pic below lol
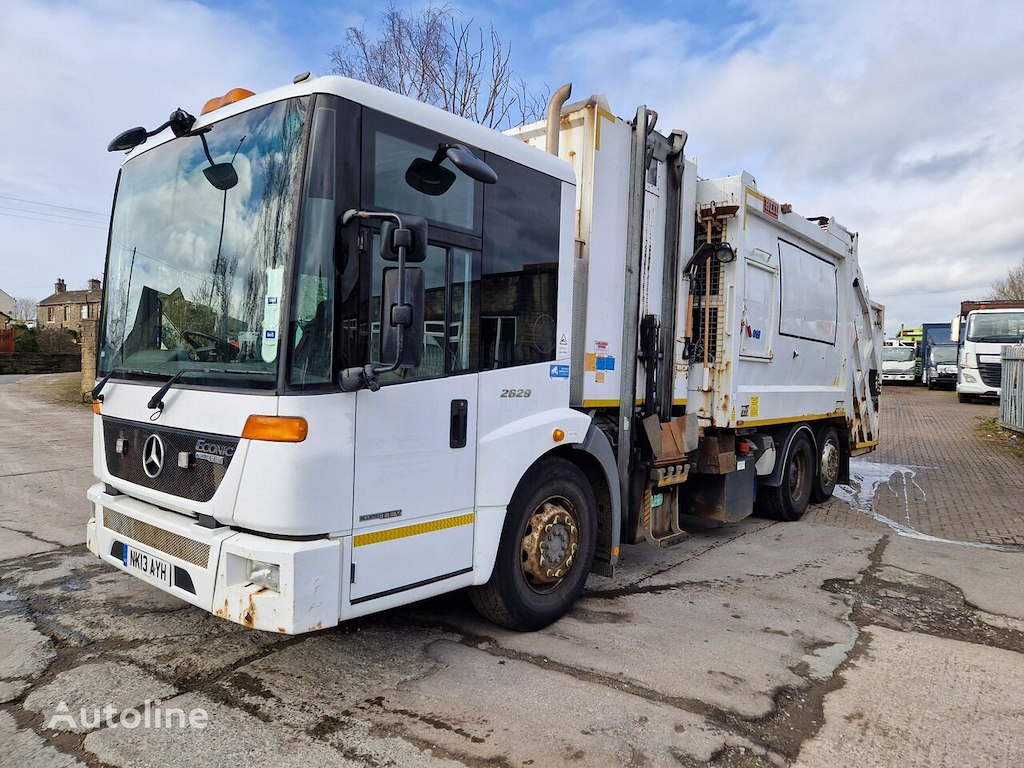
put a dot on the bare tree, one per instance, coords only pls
(25, 309)
(1012, 286)
(433, 56)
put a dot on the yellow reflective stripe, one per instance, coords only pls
(412, 530)
(789, 419)
(615, 403)
(869, 444)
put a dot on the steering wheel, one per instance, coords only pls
(219, 349)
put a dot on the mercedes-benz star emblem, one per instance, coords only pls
(153, 456)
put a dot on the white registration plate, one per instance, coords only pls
(143, 562)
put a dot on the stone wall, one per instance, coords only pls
(38, 362)
(89, 345)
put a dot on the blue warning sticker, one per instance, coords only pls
(558, 371)
(605, 363)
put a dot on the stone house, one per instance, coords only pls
(8, 308)
(67, 309)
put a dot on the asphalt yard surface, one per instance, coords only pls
(885, 629)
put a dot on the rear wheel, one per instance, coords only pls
(789, 501)
(546, 550)
(826, 473)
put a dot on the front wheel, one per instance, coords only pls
(789, 501)
(964, 398)
(546, 550)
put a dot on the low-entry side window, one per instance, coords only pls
(519, 279)
(389, 148)
(451, 318)
(451, 270)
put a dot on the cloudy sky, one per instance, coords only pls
(904, 120)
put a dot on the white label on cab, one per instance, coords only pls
(272, 314)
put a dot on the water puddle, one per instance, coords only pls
(868, 477)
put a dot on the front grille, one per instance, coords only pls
(991, 373)
(189, 550)
(197, 482)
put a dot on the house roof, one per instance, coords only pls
(72, 297)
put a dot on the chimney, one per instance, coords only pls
(94, 285)
(60, 286)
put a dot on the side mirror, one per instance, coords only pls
(423, 176)
(222, 176)
(401, 324)
(954, 330)
(428, 177)
(413, 235)
(127, 140)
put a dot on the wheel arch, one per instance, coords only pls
(595, 458)
(784, 437)
(592, 455)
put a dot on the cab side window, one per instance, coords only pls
(519, 283)
(452, 267)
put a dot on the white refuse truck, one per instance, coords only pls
(981, 330)
(356, 352)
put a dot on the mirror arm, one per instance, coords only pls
(206, 148)
(367, 376)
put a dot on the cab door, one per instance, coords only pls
(415, 443)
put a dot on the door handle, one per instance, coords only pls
(459, 422)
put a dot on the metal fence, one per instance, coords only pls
(1011, 399)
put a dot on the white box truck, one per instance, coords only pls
(357, 352)
(982, 329)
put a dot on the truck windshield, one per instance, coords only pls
(897, 354)
(943, 354)
(196, 274)
(1004, 327)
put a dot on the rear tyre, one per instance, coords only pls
(826, 471)
(789, 501)
(546, 550)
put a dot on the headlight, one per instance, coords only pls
(968, 378)
(264, 574)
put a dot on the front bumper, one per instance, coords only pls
(207, 567)
(891, 377)
(970, 383)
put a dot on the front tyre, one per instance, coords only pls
(546, 550)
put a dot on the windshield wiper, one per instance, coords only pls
(157, 400)
(1006, 338)
(103, 382)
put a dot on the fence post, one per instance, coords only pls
(1011, 398)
